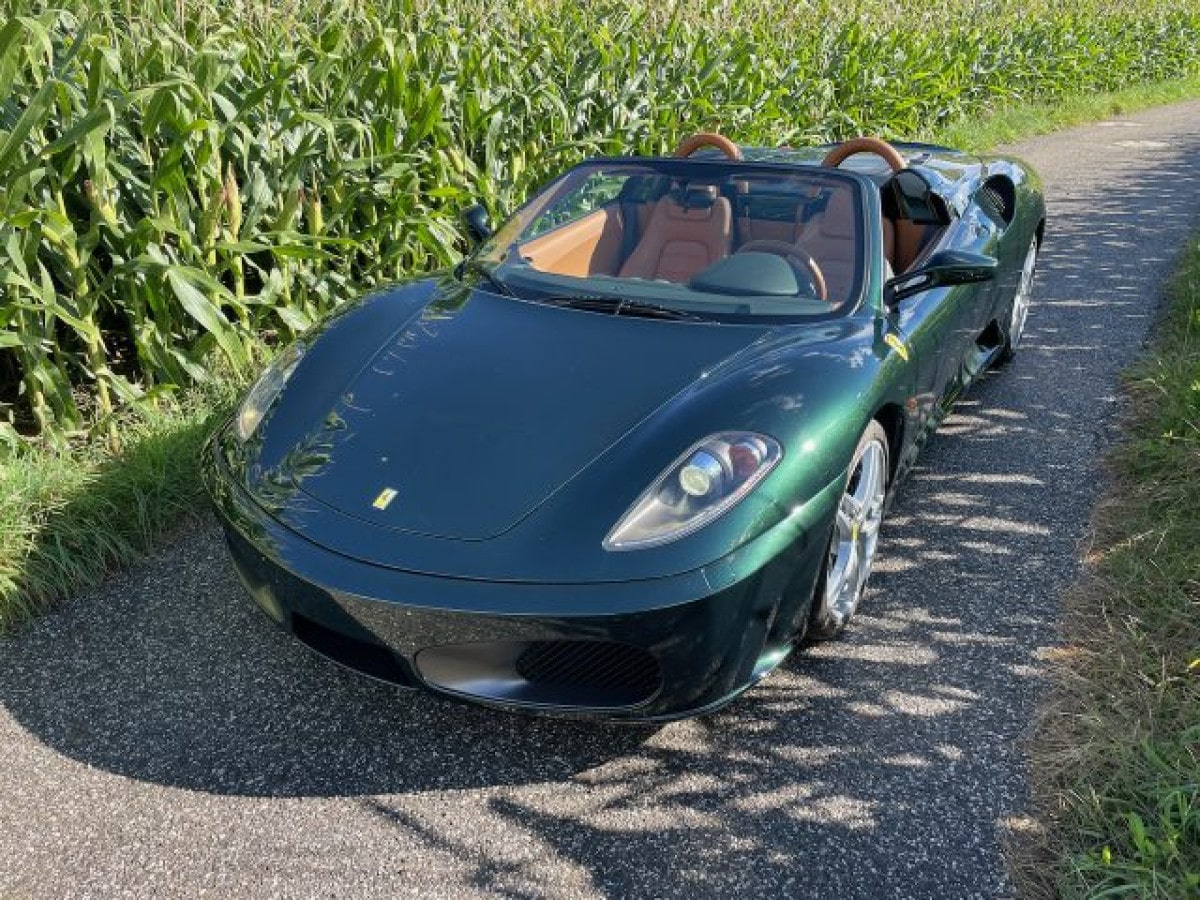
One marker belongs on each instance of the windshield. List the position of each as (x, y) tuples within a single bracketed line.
[(710, 239)]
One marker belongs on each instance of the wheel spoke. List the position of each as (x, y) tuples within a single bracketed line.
[(868, 481), (862, 490), (846, 571), (851, 508), (845, 526), (878, 485)]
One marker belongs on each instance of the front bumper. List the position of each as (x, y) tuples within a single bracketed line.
[(650, 649)]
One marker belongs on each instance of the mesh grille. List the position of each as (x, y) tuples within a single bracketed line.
[(599, 665), (996, 203)]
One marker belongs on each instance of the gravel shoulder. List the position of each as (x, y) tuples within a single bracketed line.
[(160, 738)]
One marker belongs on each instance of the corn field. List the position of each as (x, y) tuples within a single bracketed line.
[(182, 179)]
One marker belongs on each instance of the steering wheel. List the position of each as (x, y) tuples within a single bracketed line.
[(709, 139), (794, 255), (881, 148)]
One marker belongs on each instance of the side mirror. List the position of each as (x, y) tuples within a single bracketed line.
[(943, 269), (478, 224)]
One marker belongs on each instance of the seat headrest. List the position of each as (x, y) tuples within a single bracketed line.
[(840, 218), (644, 188), (695, 196)]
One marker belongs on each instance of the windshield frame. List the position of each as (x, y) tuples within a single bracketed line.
[(496, 253)]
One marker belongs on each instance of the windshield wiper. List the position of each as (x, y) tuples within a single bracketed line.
[(474, 265), (619, 306)]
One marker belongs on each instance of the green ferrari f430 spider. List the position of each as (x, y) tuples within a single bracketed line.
[(638, 446)]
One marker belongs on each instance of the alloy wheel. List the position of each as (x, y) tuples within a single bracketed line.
[(1023, 298), (856, 534)]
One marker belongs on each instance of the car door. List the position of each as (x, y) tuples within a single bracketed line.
[(975, 231), (994, 204), (937, 324)]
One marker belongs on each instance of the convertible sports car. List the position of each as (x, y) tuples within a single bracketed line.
[(636, 448)]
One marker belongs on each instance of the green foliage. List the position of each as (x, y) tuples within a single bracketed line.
[(1119, 750), (1011, 122), (68, 518), (180, 178)]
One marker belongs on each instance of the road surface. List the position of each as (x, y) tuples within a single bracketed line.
[(159, 738)]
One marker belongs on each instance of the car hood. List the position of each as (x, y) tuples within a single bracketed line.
[(480, 407)]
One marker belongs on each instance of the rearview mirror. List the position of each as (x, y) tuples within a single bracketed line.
[(943, 269), (478, 224)]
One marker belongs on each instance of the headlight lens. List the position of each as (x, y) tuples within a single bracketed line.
[(704, 482), (265, 391)]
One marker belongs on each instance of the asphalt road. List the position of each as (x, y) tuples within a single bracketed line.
[(159, 738)]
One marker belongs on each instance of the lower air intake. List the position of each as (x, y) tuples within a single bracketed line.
[(559, 674), (353, 653), (601, 665)]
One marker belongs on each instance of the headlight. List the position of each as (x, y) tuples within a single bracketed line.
[(707, 480), (265, 391)]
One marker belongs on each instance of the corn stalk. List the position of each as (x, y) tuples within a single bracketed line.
[(181, 178)]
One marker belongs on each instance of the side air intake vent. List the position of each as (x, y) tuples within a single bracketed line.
[(998, 198)]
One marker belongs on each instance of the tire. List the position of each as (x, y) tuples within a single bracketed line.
[(853, 539), (1022, 300)]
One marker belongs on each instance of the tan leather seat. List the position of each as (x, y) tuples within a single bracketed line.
[(911, 240), (832, 240), (682, 236)]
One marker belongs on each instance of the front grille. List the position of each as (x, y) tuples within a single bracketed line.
[(602, 666), (362, 656)]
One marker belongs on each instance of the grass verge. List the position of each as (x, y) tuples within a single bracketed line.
[(1009, 123), (67, 518), (1116, 757)]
